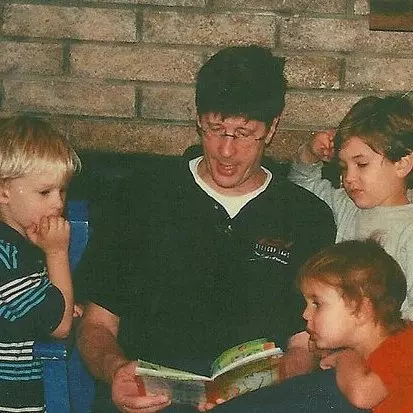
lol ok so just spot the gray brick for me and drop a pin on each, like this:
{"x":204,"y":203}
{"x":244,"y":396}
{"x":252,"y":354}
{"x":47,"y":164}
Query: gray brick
{"x":315,"y":72}
{"x":322,"y":34}
{"x":211,"y":29}
{"x":318,"y":110}
{"x":181,"y":3}
{"x":361,"y":7}
{"x":168,"y":103}
{"x":285,"y":6}
{"x":379,"y":74}
{"x":286,"y":142}
{"x":399,"y":44}
{"x":133,"y":137}
{"x":31,"y":58}
{"x":69,"y":22}
{"x":147,"y":63}
{"x":69,"y":97}
{"x":342,"y":35}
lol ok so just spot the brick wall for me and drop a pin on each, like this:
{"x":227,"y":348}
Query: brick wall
{"x":119,"y":74}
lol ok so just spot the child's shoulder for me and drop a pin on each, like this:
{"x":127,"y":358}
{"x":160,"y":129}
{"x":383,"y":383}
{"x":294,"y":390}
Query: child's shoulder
{"x":403,"y":337}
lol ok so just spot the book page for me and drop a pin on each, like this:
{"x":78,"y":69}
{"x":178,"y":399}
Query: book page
{"x":261,"y":372}
{"x":179,"y":391}
{"x":243,"y":354}
{"x":241,"y":369}
{"x":144,"y":368}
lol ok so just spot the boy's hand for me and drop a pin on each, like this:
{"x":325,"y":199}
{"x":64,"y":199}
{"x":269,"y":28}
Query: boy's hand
{"x":322,"y":145}
{"x":319,"y":148}
{"x":51,"y":235}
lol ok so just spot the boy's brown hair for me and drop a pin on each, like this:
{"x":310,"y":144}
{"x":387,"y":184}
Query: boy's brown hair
{"x":29,"y":144}
{"x":384,"y":124}
{"x":361,"y":269}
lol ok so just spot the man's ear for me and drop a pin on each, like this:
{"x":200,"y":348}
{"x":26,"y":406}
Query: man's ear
{"x":272,"y":130}
{"x":4,"y":192}
{"x":404,"y":166}
{"x":198,"y":125}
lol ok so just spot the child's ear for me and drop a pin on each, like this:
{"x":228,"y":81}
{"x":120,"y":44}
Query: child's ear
{"x":404,"y":166}
{"x":4,"y":192}
{"x":366,"y":311}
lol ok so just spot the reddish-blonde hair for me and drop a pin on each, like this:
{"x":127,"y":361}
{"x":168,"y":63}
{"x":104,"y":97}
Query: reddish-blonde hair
{"x":359,"y":269}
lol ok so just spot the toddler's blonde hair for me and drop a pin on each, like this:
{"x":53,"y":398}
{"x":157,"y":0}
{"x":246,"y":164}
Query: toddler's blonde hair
{"x":31,"y":145}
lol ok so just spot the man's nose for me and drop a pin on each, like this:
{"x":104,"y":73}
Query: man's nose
{"x":227,"y":145}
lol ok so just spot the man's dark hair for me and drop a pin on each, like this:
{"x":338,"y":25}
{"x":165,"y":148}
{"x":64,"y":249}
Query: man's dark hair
{"x":243,"y":81}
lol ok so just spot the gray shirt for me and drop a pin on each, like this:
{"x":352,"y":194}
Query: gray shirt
{"x":392,"y":226}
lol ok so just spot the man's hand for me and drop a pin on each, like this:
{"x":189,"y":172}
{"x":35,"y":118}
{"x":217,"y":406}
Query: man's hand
{"x":51,"y":235}
{"x":127,"y":392}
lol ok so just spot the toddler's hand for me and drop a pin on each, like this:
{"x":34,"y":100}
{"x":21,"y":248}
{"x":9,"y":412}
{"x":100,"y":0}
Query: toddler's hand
{"x":204,"y":406}
{"x":322,"y":145}
{"x":51,"y":235}
{"x":77,"y":311}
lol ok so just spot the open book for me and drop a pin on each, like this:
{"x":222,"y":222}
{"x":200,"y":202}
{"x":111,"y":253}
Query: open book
{"x":238,"y":370}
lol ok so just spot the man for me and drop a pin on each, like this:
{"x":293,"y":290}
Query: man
{"x":205,"y":251}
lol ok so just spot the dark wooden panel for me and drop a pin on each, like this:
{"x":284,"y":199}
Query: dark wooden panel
{"x":396,"y":15}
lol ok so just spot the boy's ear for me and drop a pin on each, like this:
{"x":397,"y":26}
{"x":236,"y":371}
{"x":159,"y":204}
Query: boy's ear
{"x":4,"y":192}
{"x":272,"y":130}
{"x":404,"y":166}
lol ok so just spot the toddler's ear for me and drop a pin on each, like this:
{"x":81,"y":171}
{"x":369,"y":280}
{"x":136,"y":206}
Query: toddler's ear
{"x":404,"y":166}
{"x":4,"y":192}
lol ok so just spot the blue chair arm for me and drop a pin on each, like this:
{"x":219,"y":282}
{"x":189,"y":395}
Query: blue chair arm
{"x":56,"y":354}
{"x":54,"y":350}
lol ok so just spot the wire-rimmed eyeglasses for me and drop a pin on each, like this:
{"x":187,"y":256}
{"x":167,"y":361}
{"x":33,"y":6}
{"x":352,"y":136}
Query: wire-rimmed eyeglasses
{"x":239,"y":134}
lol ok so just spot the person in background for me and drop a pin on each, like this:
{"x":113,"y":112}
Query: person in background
{"x":36,"y":165}
{"x":200,"y":253}
{"x":373,"y":145}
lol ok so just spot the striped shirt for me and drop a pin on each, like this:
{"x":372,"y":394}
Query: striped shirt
{"x":30,"y":309}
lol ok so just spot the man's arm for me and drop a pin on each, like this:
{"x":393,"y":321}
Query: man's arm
{"x":96,"y":339}
{"x":97,"y":343}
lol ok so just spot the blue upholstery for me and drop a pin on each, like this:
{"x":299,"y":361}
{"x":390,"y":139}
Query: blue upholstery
{"x":68,"y":387}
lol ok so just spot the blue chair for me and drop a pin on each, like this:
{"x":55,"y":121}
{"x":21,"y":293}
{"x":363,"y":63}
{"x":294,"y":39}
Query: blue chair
{"x":68,"y":387}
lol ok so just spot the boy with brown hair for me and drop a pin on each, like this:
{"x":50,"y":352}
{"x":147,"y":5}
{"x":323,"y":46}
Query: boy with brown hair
{"x":373,"y":146}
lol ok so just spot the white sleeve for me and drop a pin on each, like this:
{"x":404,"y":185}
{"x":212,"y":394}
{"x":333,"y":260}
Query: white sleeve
{"x":309,"y":177}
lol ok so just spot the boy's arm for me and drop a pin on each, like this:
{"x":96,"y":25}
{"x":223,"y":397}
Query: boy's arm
{"x":52,"y":236}
{"x":306,"y":169}
{"x":363,"y":388}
